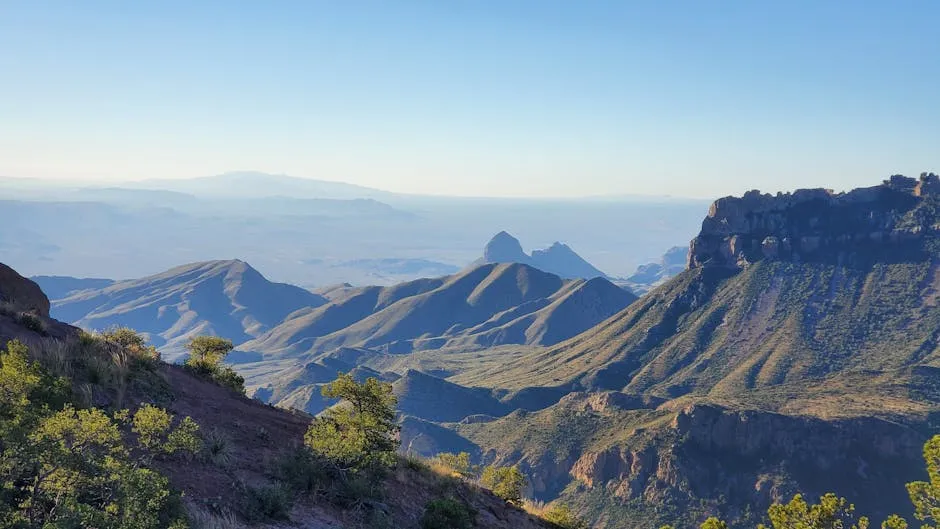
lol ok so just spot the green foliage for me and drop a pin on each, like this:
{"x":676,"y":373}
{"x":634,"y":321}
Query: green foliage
{"x":714,"y":523}
{"x":459,"y":463}
{"x":832,"y":512}
{"x":154,"y":430}
{"x":925,"y":495}
{"x":268,"y":502}
{"x":217,"y":448}
{"x":206,"y":354}
{"x":562,"y":516}
{"x":447,"y":513}
{"x":61,"y":467}
{"x":505,"y":482}
{"x":360,"y":432}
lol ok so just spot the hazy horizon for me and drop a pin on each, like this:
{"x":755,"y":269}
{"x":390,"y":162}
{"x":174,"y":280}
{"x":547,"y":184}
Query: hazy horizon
{"x":528,"y":99}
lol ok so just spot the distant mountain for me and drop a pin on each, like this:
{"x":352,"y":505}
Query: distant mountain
{"x":649,"y":275}
{"x":488,"y":305}
{"x":225,"y":298}
{"x":58,"y":287}
{"x":249,"y":184}
{"x":558,"y":259}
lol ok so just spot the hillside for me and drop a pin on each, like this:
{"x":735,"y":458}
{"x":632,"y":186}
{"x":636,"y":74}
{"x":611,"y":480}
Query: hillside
{"x":798,"y":352}
{"x":649,"y":275}
{"x":248,"y":472}
{"x":226,"y":298}
{"x":558,"y":259}
{"x":487,"y":305}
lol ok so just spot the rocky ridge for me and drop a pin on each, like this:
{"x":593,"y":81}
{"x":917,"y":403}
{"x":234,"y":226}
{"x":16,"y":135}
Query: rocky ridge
{"x":816,"y":224}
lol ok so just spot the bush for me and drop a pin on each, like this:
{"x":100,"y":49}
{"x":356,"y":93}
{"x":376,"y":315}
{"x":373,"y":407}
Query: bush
{"x":217,"y":448}
{"x":359,"y":433}
{"x":206,"y":354}
{"x":153,"y":428}
{"x":562,"y":516}
{"x":269,"y":502}
{"x":447,"y":513}
{"x":505,"y":482}
{"x":301,"y":471}
{"x":458,"y":463}
{"x":32,"y":322}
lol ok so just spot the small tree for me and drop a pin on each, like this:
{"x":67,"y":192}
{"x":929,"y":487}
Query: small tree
{"x":361,"y":430}
{"x":832,"y":512}
{"x":206,"y":354}
{"x":154,"y":430}
{"x":506,"y":482}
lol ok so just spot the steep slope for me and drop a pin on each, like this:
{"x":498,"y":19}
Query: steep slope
{"x":558,"y":259}
{"x":256,"y":440}
{"x":225,"y":298}
{"x":798,"y":353}
{"x":487,"y":305}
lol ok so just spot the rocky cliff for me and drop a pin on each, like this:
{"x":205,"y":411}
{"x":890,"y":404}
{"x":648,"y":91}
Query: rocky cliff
{"x":817,"y":224}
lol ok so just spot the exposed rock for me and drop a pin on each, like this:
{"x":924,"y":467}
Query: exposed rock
{"x":23,"y":293}
{"x":558,"y":259}
{"x":814,"y":224}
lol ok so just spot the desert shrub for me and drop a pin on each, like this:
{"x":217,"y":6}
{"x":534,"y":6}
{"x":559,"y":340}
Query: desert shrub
{"x":204,"y":519}
{"x":447,"y":513}
{"x":505,"y":482}
{"x":267,"y":502}
{"x":302,"y":471}
{"x":457,"y":463}
{"x":217,"y":448}
{"x":32,"y":322}
{"x":562,"y":516}
{"x":154,"y":430}
{"x":359,"y":433}
{"x":206,"y":354}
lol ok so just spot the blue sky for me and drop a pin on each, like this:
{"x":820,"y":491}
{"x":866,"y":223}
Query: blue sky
{"x":497,"y":98}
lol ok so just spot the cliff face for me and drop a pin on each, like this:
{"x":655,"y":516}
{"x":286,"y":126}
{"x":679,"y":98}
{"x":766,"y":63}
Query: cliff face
{"x":752,"y":458}
{"x":817,"y":224}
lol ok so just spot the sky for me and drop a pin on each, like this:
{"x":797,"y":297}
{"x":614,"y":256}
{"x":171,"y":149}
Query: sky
{"x":479,"y":98}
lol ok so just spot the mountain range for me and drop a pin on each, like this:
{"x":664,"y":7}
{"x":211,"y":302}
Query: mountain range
{"x":225,"y":298}
{"x":798,"y":349}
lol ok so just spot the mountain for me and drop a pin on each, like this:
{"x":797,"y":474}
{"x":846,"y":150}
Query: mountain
{"x":226,"y":298}
{"x":799,"y":352}
{"x":249,"y":184}
{"x":558,"y":259}
{"x":253,"y":476}
{"x":491,"y":304}
{"x":650,"y":275}
{"x":58,"y":287}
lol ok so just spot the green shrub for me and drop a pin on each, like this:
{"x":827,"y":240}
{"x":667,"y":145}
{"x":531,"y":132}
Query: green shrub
{"x":154,"y":432}
{"x":506,"y":482}
{"x":562,"y":516}
{"x":358,"y":433}
{"x":459,"y":463}
{"x":217,"y":448}
{"x":206,"y":354}
{"x":268,"y":502}
{"x":447,"y":513}
{"x":302,"y":471}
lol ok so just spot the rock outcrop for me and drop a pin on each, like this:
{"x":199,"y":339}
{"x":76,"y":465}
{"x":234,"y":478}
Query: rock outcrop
{"x":558,"y":259}
{"x":23,"y":294}
{"x":709,"y":451}
{"x":816,"y":224}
